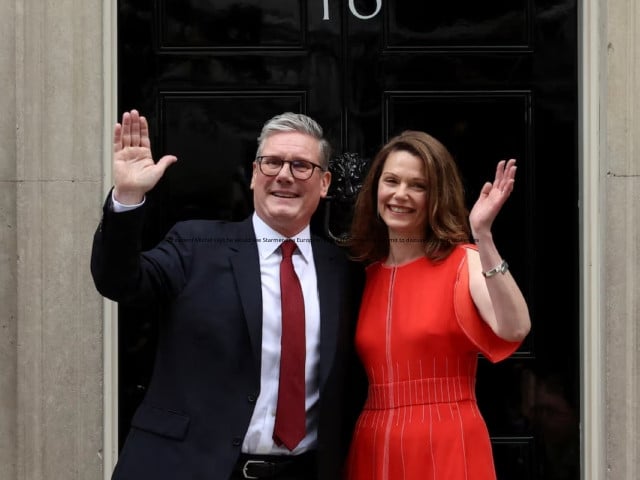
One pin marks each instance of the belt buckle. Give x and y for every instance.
(246, 465)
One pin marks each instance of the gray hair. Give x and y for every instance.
(296, 122)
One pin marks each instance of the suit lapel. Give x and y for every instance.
(327, 271)
(246, 270)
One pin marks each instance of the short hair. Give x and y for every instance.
(296, 122)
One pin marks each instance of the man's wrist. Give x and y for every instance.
(117, 206)
(127, 199)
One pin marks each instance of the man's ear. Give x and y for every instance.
(325, 181)
(253, 175)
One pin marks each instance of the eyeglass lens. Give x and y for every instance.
(271, 166)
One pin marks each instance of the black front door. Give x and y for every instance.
(492, 80)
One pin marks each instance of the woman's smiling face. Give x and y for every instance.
(402, 195)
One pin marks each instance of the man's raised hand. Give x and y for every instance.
(134, 171)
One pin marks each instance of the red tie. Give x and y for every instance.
(289, 427)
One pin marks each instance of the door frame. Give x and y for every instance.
(110, 309)
(591, 197)
(590, 245)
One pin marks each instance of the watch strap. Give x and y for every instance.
(502, 268)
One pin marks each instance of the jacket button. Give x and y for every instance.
(237, 442)
(251, 398)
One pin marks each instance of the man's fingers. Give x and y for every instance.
(135, 128)
(117, 138)
(144, 133)
(166, 161)
(126, 129)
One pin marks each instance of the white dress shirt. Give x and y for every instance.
(258, 439)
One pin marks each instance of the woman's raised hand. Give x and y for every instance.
(492, 197)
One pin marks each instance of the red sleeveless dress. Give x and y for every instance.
(418, 336)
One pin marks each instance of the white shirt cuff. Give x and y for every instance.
(119, 207)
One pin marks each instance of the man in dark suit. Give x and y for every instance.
(210, 409)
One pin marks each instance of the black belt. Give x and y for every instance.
(271, 466)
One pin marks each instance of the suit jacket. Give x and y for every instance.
(206, 377)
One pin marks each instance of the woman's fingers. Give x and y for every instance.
(505, 175)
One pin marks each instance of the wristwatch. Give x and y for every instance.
(502, 268)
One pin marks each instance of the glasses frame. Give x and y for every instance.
(294, 174)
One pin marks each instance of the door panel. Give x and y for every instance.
(215, 141)
(492, 80)
(465, 24)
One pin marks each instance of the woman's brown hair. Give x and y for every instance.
(447, 217)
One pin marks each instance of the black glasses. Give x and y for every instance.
(270, 165)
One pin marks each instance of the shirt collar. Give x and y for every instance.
(269, 240)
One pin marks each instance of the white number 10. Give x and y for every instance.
(352, 7)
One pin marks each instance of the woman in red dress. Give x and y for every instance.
(432, 301)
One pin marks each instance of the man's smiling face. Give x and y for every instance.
(283, 202)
